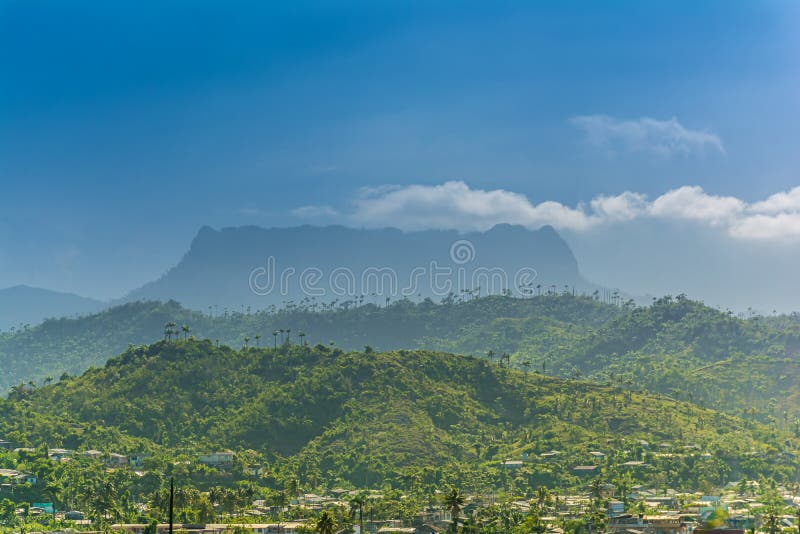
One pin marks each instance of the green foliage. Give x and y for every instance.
(412, 419)
(677, 347)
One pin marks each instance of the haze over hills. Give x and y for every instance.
(262, 267)
(21, 305)
(675, 346)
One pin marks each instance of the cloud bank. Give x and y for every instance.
(664, 138)
(454, 205)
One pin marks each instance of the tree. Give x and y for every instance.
(169, 330)
(357, 504)
(454, 501)
(279, 500)
(325, 523)
(772, 520)
(596, 489)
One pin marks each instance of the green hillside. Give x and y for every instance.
(675, 346)
(400, 417)
(72, 345)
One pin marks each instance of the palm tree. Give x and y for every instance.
(169, 330)
(454, 501)
(596, 489)
(275, 337)
(798, 520)
(357, 503)
(279, 500)
(185, 329)
(258, 340)
(325, 523)
(302, 336)
(542, 496)
(771, 520)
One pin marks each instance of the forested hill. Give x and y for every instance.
(367, 417)
(675, 346)
(72, 345)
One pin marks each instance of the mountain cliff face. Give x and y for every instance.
(251, 266)
(21, 305)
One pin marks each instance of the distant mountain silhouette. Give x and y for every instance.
(21, 305)
(258, 267)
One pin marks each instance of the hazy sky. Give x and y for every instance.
(125, 126)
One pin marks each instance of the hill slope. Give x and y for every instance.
(675, 346)
(72, 345)
(370, 417)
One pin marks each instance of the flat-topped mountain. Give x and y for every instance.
(258, 267)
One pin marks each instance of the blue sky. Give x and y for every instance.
(125, 126)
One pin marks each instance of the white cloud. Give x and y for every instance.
(623, 207)
(454, 205)
(308, 212)
(694, 204)
(665, 138)
(787, 201)
(780, 226)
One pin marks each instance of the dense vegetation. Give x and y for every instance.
(678, 347)
(405, 418)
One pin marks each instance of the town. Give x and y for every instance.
(32, 500)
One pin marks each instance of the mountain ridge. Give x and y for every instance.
(233, 266)
(25, 305)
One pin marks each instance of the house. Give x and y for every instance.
(634, 464)
(59, 454)
(665, 501)
(289, 527)
(513, 464)
(217, 459)
(616, 508)
(652, 524)
(585, 470)
(6, 445)
(117, 460)
(12, 476)
(9, 476)
(93, 454)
